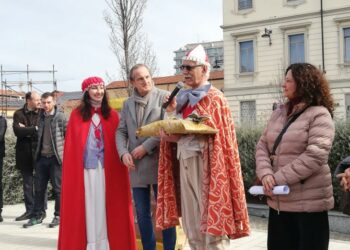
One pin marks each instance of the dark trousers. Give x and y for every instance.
(47, 169)
(298, 231)
(1, 187)
(28, 189)
(142, 199)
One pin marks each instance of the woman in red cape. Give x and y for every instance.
(76, 224)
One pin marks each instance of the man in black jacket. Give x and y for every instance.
(25, 126)
(3, 127)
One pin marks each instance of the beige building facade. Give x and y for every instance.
(261, 38)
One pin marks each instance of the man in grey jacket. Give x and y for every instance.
(49, 152)
(140, 155)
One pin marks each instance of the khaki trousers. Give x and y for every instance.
(191, 205)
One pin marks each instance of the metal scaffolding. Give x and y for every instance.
(10, 87)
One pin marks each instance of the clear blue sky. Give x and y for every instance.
(73, 36)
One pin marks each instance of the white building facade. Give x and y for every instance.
(262, 37)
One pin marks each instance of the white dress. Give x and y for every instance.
(95, 205)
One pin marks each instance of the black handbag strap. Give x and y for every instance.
(279, 137)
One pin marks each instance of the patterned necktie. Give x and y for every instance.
(97, 131)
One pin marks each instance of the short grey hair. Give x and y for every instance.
(135, 67)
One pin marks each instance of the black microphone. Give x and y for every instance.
(176, 90)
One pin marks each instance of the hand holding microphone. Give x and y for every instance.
(176, 90)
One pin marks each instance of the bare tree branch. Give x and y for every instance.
(130, 46)
(277, 85)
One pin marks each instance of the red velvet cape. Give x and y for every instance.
(120, 221)
(225, 208)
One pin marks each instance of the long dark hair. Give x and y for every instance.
(312, 86)
(85, 107)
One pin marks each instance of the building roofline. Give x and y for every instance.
(163, 80)
(289, 18)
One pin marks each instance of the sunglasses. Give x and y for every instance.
(189, 67)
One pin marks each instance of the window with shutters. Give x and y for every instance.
(244, 7)
(296, 42)
(346, 32)
(296, 48)
(248, 112)
(245, 4)
(343, 25)
(246, 56)
(293, 2)
(347, 107)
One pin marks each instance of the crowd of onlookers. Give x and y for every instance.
(193, 176)
(40, 129)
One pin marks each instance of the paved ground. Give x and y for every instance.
(257, 240)
(14, 236)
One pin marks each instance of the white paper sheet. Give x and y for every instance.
(277, 190)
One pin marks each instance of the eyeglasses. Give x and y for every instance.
(189, 67)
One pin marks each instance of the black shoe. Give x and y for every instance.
(33, 221)
(25, 216)
(1, 219)
(55, 222)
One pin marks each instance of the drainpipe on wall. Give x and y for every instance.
(322, 38)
